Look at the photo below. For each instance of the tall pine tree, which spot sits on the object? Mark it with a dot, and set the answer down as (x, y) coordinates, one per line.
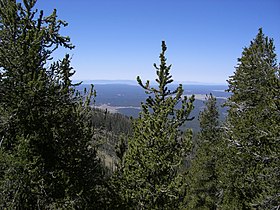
(252, 170)
(150, 174)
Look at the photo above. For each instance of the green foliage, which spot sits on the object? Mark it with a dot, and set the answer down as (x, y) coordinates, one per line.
(251, 169)
(47, 159)
(149, 175)
(203, 192)
(49, 133)
(209, 120)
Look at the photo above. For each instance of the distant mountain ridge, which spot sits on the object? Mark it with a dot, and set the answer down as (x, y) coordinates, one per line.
(107, 82)
(134, 82)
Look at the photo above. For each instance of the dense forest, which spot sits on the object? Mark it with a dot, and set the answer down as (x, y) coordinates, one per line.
(59, 152)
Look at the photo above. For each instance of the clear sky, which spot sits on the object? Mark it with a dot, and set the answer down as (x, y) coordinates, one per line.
(121, 39)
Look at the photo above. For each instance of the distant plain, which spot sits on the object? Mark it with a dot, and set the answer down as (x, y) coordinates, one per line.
(126, 98)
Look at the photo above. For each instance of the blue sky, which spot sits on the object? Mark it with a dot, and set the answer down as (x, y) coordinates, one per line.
(121, 39)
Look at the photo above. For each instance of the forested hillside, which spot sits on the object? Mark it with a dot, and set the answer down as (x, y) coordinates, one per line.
(59, 152)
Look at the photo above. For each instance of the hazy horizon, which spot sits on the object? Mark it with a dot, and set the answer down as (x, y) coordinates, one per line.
(134, 82)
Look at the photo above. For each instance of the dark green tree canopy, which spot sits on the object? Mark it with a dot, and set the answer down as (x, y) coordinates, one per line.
(253, 128)
(203, 188)
(47, 158)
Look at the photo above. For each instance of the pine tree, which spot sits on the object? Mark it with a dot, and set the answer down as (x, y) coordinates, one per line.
(47, 160)
(203, 190)
(150, 174)
(252, 170)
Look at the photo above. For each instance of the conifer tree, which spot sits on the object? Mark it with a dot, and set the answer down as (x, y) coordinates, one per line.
(46, 158)
(150, 173)
(203, 185)
(251, 174)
